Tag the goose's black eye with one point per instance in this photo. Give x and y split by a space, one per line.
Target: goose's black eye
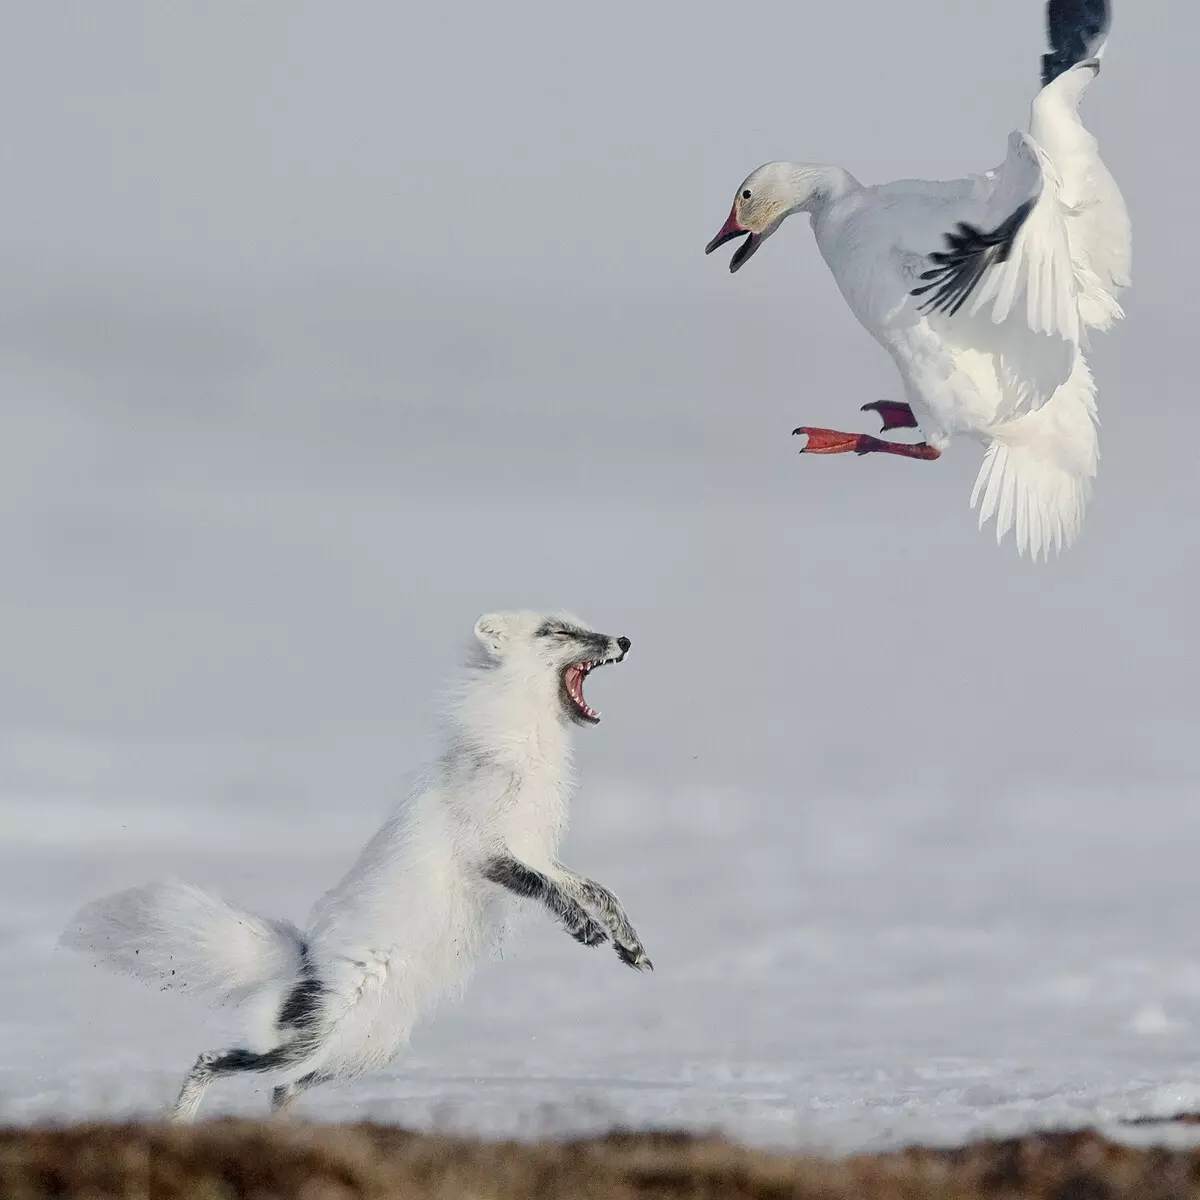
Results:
746 194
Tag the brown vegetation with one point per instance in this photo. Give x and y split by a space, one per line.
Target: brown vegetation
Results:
226 1159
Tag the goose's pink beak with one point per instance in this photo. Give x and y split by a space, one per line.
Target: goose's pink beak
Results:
730 230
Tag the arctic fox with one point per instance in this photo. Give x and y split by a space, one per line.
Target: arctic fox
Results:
426 897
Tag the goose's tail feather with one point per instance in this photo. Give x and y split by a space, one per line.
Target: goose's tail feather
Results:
1037 475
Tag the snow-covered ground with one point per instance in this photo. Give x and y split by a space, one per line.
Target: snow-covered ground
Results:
842 968
301 372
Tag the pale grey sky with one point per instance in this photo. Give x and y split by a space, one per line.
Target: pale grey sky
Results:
325 327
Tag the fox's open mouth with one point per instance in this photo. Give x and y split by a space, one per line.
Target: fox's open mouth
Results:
572 686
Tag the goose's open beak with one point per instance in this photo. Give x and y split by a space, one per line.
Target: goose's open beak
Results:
730 230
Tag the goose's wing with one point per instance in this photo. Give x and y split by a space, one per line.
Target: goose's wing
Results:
1016 261
1094 213
1002 282
1050 252
1077 31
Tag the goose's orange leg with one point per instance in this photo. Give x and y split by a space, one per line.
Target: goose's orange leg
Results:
830 441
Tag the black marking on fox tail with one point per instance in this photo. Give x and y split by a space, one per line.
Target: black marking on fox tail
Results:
301 1007
969 252
1076 30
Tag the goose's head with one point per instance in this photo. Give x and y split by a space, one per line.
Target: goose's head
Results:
764 199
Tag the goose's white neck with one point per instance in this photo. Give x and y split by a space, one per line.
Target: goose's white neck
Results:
814 187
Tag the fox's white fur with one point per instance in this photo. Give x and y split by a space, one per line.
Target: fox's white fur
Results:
429 893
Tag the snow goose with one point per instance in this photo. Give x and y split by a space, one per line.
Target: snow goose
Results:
982 290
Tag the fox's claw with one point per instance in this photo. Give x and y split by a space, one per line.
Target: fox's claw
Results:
634 956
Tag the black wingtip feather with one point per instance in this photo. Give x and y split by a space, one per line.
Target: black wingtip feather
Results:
1076 29
961 266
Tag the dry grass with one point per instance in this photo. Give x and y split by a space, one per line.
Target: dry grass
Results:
226 1159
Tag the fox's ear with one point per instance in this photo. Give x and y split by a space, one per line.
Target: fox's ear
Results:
492 630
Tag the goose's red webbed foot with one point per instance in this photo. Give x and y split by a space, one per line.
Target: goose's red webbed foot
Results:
830 441
893 413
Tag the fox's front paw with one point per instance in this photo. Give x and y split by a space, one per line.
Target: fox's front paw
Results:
634 956
588 931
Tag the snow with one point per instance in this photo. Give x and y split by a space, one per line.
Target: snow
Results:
853 969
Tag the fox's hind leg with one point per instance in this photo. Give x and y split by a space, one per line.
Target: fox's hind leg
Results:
299 1017
285 1095
213 1064
194 1087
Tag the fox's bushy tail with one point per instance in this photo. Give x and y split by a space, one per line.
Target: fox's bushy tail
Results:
180 938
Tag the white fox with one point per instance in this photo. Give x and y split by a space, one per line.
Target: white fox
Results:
426 897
